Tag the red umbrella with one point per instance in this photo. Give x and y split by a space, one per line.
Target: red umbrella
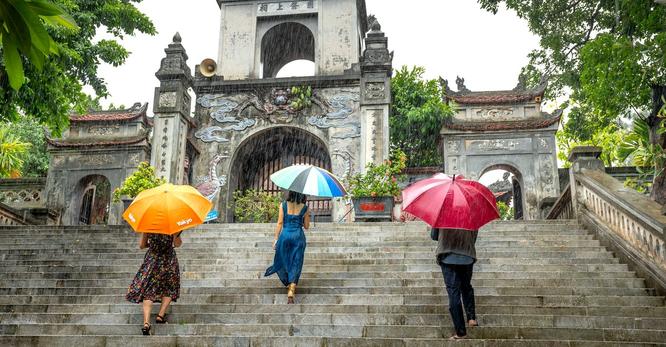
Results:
452 203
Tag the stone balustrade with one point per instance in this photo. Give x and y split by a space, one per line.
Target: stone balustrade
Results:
23 193
563 207
625 221
10 217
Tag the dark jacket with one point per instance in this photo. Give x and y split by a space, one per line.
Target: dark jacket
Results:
456 241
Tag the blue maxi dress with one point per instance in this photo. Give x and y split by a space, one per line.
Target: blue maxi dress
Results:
290 248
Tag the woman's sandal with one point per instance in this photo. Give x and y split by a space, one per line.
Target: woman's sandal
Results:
160 319
146 329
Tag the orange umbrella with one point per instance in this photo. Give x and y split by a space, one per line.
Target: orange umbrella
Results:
167 209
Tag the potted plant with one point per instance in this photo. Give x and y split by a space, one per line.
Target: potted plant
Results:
373 192
143 178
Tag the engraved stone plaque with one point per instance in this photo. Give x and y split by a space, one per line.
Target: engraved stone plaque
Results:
498 145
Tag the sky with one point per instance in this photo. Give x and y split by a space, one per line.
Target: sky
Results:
448 37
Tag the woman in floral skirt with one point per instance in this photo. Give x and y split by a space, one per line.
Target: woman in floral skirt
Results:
158 279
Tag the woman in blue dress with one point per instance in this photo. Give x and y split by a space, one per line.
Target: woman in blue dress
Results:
289 243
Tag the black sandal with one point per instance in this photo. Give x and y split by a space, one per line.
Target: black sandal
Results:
146 329
160 319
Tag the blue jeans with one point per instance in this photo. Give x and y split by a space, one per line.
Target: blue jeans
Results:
458 280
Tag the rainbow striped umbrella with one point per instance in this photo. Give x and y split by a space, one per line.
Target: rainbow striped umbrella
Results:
309 180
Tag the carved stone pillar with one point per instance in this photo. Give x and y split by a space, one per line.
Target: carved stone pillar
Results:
172 114
376 70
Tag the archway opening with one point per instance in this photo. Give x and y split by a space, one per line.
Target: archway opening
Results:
283 44
93 198
297 68
506 184
272 150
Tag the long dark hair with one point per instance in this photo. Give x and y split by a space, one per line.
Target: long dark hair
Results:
296 197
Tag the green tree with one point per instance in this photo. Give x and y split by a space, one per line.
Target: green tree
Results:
610 56
418 112
12 152
36 159
24 33
58 84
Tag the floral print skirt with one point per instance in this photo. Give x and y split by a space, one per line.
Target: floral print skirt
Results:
158 277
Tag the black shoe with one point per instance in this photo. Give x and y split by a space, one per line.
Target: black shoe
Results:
160 319
146 329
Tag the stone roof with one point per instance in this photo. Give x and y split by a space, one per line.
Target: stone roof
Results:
525 124
136 111
98 142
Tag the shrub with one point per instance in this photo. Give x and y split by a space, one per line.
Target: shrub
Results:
143 178
253 206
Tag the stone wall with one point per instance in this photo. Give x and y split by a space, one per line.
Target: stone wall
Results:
229 120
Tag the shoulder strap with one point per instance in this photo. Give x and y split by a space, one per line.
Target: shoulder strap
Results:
284 208
303 210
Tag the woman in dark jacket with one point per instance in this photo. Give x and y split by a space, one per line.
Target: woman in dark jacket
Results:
456 255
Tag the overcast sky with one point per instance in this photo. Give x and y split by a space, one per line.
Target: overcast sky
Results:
447 37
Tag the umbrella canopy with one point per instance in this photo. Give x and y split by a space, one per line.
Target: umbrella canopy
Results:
452 203
167 209
309 180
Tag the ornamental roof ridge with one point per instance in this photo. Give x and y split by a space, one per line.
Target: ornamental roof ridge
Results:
518 94
98 142
523 124
137 110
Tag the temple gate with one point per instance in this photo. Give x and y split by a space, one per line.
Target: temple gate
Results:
504 130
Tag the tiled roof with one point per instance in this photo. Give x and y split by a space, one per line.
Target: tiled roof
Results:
494 98
497 97
93 142
535 123
131 113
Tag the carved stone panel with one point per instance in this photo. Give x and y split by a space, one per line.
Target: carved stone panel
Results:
452 146
167 99
494 114
103 130
498 145
278 8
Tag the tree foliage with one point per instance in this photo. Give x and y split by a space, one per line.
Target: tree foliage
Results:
606 53
379 180
23 32
36 159
49 94
253 206
12 152
143 178
418 112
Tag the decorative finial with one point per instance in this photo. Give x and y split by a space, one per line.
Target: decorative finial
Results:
373 23
460 83
177 38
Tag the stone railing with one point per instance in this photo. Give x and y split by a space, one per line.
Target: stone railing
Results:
10 217
563 207
23 193
625 221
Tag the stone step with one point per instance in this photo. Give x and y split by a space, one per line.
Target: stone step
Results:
367 290
178 308
274 341
266 243
318 237
329 252
266 260
350 299
485 320
340 265
426 271
329 330
307 282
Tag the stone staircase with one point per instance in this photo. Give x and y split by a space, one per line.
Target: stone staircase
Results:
537 284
